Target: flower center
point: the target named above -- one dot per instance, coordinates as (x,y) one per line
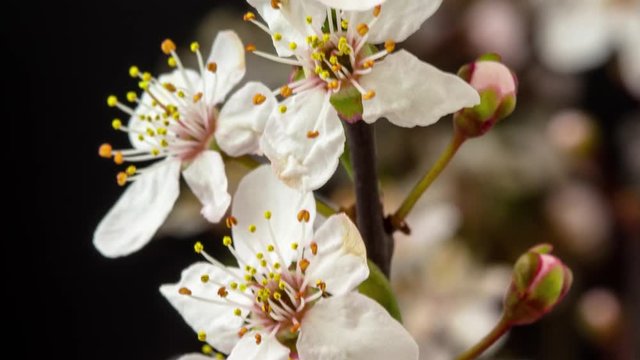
(170,119)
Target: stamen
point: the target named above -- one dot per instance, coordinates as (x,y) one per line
(258,99)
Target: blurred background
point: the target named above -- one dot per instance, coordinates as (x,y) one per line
(563,169)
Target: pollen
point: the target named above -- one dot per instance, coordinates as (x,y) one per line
(171,61)
(198,247)
(276,4)
(118,158)
(314,248)
(286,91)
(168,46)
(258,338)
(304,264)
(212,67)
(369,95)
(277,36)
(227,241)
(321,285)
(309,20)
(105,150)
(270,248)
(184,291)
(368,64)
(112,100)
(231,221)
(293,45)
(312,134)
(259,99)
(132,96)
(344,24)
(252,228)
(282,109)
(294,246)
(250,48)
(204,278)
(376,10)
(237,312)
(294,329)
(389,45)
(267,215)
(222,292)
(134,71)
(116,124)
(303,215)
(248,16)
(194,47)
(202,336)
(363,29)
(243,330)
(197,97)
(169,87)
(131,170)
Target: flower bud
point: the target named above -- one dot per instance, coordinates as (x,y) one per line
(497,87)
(539,283)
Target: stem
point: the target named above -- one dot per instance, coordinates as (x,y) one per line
(500,329)
(369,216)
(418,190)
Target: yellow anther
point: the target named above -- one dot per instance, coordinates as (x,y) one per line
(263,263)
(164,143)
(150,132)
(140,137)
(162,131)
(169,87)
(212,67)
(277,295)
(207,349)
(242,287)
(146,76)
(325,37)
(293,45)
(325,74)
(202,336)
(248,16)
(304,264)
(155,152)
(227,241)
(318,69)
(104,151)
(197,97)
(204,278)
(222,292)
(248,277)
(309,20)
(243,330)
(282,285)
(259,99)
(376,10)
(184,291)
(317,56)
(116,124)
(389,45)
(369,95)
(264,282)
(294,329)
(168,46)
(368,64)
(134,71)
(258,338)
(276,4)
(312,134)
(344,24)
(144,85)
(252,228)
(219,356)
(121,178)
(171,61)
(294,246)
(132,96)
(231,221)
(112,100)
(270,248)
(253,271)
(259,256)
(194,47)
(286,91)
(118,158)
(267,215)
(332,85)
(321,285)
(277,266)
(180,94)
(233,285)
(131,170)
(303,215)
(250,48)
(362,29)
(198,247)
(277,36)
(282,109)
(333,59)
(237,312)
(314,248)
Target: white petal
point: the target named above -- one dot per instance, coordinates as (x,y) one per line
(398,19)
(418,95)
(268,349)
(353,326)
(241,122)
(215,319)
(194,356)
(341,261)
(290,21)
(628,30)
(142,208)
(208,181)
(302,162)
(573,36)
(228,53)
(352,4)
(258,192)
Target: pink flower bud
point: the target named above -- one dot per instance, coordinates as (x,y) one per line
(497,87)
(540,281)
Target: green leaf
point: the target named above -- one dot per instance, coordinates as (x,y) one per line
(377,287)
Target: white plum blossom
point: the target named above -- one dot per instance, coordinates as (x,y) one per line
(293,292)
(173,124)
(341,75)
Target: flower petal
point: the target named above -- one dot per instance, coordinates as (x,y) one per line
(300,160)
(353,326)
(142,208)
(227,53)
(352,4)
(418,96)
(242,121)
(208,181)
(216,318)
(258,192)
(398,19)
(268,349)
(341,259)
(290,21)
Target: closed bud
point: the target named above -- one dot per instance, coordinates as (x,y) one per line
(540,281)
(497,87)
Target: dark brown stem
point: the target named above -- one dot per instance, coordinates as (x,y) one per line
(370,219)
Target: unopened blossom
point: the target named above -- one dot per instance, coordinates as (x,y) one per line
(340,74)
(293,292)
(173,125)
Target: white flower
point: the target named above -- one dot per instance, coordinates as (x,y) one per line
(293,293)
(578,35)
(173,124)
(305,138)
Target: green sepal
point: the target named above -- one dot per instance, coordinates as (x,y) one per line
(348,103)
(377,287)
(490,57)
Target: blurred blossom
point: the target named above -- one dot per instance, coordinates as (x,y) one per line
(498,26)
(572,131)
(600,312)
(628,136)
(578,35)
(184,220)
(582,217)
(449,301)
